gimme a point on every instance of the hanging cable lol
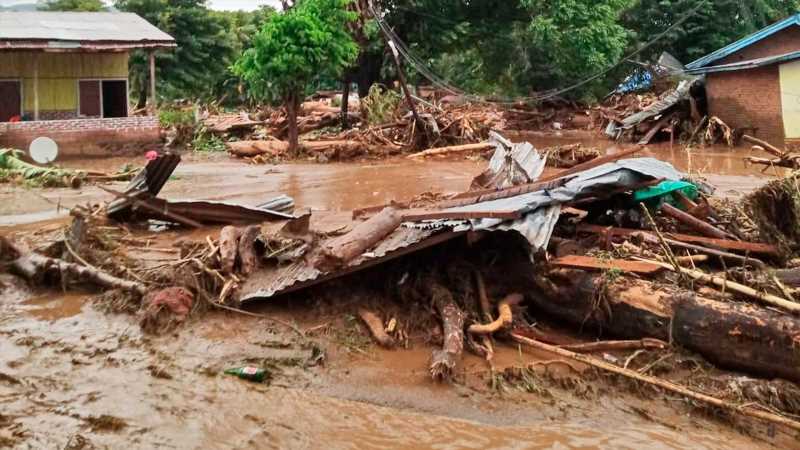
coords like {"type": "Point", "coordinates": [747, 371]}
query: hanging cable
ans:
{"type": "Point", "coordinates": [422, 68]}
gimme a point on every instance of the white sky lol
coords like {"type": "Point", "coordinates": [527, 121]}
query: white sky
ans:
{"type": "Point", "coordinates": [247, 5]}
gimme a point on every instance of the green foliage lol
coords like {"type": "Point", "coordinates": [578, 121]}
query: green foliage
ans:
{"type": "Point", "coordinates": [205, 142]}
{"type": "Point", "coordinates": [716, 24]}
{"type": "Point", "coordinates": [176, 118]}
{"type": "Point", "coordinates": [295, 47]}
{"type": "Point", "coordinates": [74, 5]}
{"type": "Point", "coordinates": [380, 105]}
{"type": "Point", "coordinates": [208, 43]}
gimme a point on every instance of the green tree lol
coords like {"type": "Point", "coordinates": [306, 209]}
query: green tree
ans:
{"type": "Point", "coordinates": [205, 49]}
{"type": "Point", "coordinates": [716, 24]}
{"type": "Point", "coordinates": [295, 47]}
{"type": "Point", "coordinates": [74, 5]}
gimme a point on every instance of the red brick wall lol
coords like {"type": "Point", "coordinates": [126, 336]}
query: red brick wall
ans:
{"type": "Point", "coordinates": [782, 42]}
{"type": "Point", "coordinates": [87, 137]}
{"type": "Point", "coordinates": [748, 99]}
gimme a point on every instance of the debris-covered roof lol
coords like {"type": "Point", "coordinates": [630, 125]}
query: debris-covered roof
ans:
{"type": "Point", "coordinates": [745, 42]}
{"type": "Point", "coordinates": [300, 274]}
{"type": "Point", "coordinates": [78, 30]}
{"type": "Point", "coordinates": [749, 64]}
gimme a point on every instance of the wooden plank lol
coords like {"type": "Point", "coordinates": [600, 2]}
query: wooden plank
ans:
{"type": "Point", "coordinates": [416, 215]}
{"type": "Point", "coordinates": [590, 262]}
{"type": "Point", "coordinates": [752, 247]}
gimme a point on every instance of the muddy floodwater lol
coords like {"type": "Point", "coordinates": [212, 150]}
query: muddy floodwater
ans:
{"type": "Point", "coordinates": [75, 377]}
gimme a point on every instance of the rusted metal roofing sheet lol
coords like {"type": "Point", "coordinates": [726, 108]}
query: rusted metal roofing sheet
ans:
{"type": "Point", "coordinates": [750, 64]}
{"type": "Point", "coordinates": [272, 281]}
{"type": "Point", "coordinates": [65, 30]}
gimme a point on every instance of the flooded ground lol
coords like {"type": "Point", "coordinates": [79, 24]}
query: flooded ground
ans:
{"type": "Point", "coordinates": [345, 186]}
{"type": "Point", "coordinates": [75, 377]}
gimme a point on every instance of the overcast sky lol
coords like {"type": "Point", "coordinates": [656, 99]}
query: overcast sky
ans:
{"type": "Point", "coordinates": [216, 4]}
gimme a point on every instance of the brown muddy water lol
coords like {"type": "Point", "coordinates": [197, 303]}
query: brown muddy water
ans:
{"type": "Point", "coordinates": [75, 377]}
{"type": "Point", "coordinates": [345, 186]}
{"type": "Point", "coordinates": [72, 376]}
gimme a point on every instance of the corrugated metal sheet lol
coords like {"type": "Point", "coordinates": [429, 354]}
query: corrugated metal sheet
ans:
{"type": "Point", "coordinates": [750, 64]}
{"type": "Point", "coordinates": [269, 282]}
{"type": "Point", "coordinates": [745, 42]}
{"type": "Point", "coordinates": [537, 225]}
{"type": "Point", "coordinates": [116, 27]}
{"type": "Point", "coordinates": [662, 105]}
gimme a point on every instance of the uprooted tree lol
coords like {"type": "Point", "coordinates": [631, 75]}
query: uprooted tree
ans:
{"type": "Point", "coordinates": [294, 48]}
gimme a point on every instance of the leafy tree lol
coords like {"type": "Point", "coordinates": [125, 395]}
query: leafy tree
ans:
{"type": "Point", "coordinates": [295, 47]}
{"type": "Point", "coordinates": [74, 5]}
{"type": "Point", "coordinates": [716, 24]}
{"type": "Point", "coordinates": [206, 46]}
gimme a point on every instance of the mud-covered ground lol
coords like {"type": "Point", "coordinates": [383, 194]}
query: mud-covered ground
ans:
{"type": "Point", "coordinates": [77, 377]}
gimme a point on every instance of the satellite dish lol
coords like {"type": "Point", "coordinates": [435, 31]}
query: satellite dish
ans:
{"type": "Point", "coordinates": [43, 150]}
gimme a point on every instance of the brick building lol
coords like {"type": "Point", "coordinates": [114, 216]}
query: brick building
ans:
{"type": "Point", "coordinates": [754, 83]}
{"type": "Point", "coordinates": [64, 75]}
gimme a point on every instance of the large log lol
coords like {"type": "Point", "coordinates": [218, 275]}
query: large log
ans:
{"type": "Point", "coordinates": [483, 146]}
{"type": "Point", "coordinates": [39, 268]}
{"type": "Point", "coordinates": [343, 249]}
{"type": "Point", "coordinates": [752, 339]}
{"type": "Point", "coordinates": [756, 340]}
{"type": "Point", "coordinates": [626, 308]}
{"type": "Point", "coordinates": [445, 360]}
{"type": "Point", "coordinates": [248, 149]}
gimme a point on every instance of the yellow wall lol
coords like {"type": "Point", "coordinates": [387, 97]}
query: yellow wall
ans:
{"type": "Point", "coordinates": [790, 99]}
{"type": "Point", "coordinates": [58, 75]}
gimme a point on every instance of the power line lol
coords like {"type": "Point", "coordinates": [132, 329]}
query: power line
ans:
{"type": "Point", "coordinates": [440, 82]}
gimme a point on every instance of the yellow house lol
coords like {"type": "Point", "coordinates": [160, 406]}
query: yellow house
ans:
{"type": "Point", "coordinates": [71, 65]}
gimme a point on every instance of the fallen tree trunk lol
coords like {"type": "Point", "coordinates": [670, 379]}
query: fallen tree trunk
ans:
{"type": "Point", "coordinates": [228, 247]}
{"type": "Point", "coordinates": [249, 149]}
{"type": "Point", "coordinates": [735, 337]}
{"type": "Point", "coordinates": [445, 360]}
{"type": "Point", "coordinates": [744, 337]}
{"type": "Point", "coordinates": [248, 257]}
{"type": "Point", "coordinates": [375, 326]}
{"type": "Point", "coordinates": [343, 249]}
{"type": "Point", "coordinates": [37, 268]}
{"type": "Point", "coordinates": [453, 149]}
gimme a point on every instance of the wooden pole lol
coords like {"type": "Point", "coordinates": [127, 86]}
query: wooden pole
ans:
{"type": "Point", "coordinates": [152, 58]}
{"type": "Point", "coordinates": [36, 87]}
{"type": "Point", "coordinates": [691, 221]}
{"type": "Point", "coordinates": [664, 384]}
{"type": "Point", "coordinates": [406, 92]}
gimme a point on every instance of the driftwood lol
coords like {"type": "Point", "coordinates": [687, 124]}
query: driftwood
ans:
{"type": "Point", "coordinates": [610, 346]}
{"type": "Point", "coordinates": [728, 257]}
{"type": "Point", "coordinates": [727, 285]}
{"type": "Point", "coordinates": [375, 326]}
{"type": "Point", "coordinates": [445, 360]}
{"type": "Point", "coordinates": [343, 249]}
{"type": "Point", "coordinates": [248, 257]}
{"type": "Point", "coordinates": [483, 146]}
{"type": "Point", "coordinates": [229, 247]}
{"type": "Point", "coordinates": [784, 159]}
{"type": "Point", "coordinates": [37, 268]}
{"type": "Point", "coordinates": [504, 318]}
{"type": "Point", "coordinates": [248, 149]}
{"type": "Point", "coordinates": [693, 222]}
{"type": "Point", "coordinates": [667, 385]}
{"type": "Point", "coordinates": [638, 309]}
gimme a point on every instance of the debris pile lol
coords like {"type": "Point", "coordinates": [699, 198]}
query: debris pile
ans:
{"type": "Point", "coordinates": [14, 169]}
{"type": "Point", "coordinates": [628, 251]}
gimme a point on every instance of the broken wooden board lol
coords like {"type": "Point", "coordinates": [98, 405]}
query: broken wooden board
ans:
{"type": "Point", "coordinates": [590, 262]}
{"type": "Point", "coordinates": [752, 247]}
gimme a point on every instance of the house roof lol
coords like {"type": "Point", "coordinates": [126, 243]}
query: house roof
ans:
{"type": "Point", "coordinates": [78, 30]}
{"type": "Point", "coordinates": [745, 42]}
{"type": "Point", "coordinates": [750, 64]}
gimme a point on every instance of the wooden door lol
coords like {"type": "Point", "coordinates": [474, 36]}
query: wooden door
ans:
{"type": "Point", "coordinates": [10, 100]}
{"type": "Point", "coordinates": [89, 95]}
